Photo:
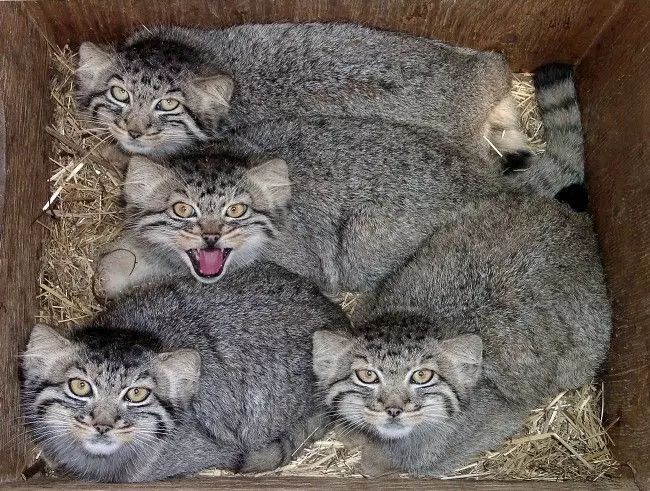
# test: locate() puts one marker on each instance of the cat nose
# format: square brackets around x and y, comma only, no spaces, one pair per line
[393,412]
[211,239]
[101,429]
[135,134]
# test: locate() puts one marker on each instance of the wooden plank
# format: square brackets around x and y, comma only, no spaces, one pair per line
[331,483]
[23,98]
[529,32]
[615,97]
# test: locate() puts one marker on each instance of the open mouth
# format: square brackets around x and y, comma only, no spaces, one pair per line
[208,262]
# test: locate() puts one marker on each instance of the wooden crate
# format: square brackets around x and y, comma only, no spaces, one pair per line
[607,40]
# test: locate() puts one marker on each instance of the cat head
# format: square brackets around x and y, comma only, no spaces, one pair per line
[100,399]
[390,379]
[206,214]
[152,95]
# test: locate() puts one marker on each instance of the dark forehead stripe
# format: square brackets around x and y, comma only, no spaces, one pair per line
[169,57]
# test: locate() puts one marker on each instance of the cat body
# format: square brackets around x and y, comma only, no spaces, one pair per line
[227,367]
[343,208]
[506,306]
[166,88]
[353,201]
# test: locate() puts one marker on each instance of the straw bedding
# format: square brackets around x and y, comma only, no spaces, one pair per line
[563,440]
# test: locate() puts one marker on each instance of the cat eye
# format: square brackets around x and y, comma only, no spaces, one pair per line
[367,376]
[421,376]
[183,210]
[80,387]
[236,211]
[137,394]
[120,94]
[167,104]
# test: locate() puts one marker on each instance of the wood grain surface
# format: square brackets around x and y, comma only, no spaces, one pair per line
[529,32]
[330,483]
[610,40]
[24,98]
[615,98]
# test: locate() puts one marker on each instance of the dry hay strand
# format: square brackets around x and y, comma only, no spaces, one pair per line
[563,440]
[84,209]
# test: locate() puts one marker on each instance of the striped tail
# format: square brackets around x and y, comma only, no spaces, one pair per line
[559,172]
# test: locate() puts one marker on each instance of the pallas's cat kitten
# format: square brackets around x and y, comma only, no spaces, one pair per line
[169,87]
[494,314]
[343,208]
[346,209]
[180,377]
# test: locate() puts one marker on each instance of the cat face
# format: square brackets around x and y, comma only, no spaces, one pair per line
[102,400]
[151,96]
[390,383]
[206,216]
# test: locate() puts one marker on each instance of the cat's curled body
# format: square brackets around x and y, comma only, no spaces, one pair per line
[224,78]
[506,306]
[342,209]
[354,200]
[228,366]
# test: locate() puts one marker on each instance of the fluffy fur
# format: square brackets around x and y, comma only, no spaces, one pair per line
[254,73]
[346,209]
[228,366]
[516,287]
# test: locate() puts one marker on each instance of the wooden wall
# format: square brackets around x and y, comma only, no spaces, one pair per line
[24,169]
[608,38]
[615,99]
[530,32]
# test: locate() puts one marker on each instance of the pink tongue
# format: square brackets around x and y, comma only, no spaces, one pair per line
[210,261]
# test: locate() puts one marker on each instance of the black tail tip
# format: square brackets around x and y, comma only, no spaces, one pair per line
[516,161]
[551,74]
[574,195]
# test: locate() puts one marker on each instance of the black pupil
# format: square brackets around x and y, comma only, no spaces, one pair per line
[82,385]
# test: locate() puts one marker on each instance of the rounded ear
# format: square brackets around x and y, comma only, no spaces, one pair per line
[44,348]
[144,177]
[328,350]
[466,348]
[271,179]
[95,66]
[214,92]
[462,359]
[178,373]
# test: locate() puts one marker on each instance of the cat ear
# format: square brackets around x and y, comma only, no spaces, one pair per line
[44,349]
[271,180]
[143,180]
[95,66]
[465,355]
[328,348]
[178,373]
[214,92]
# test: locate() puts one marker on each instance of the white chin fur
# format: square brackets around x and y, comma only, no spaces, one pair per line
[393,432]
[101,447]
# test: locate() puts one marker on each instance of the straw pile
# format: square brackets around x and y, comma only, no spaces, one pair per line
[563,440]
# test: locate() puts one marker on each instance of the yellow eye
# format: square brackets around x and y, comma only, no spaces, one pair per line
[167,104]
[183,210]
[421,376]
[120,94]
[137,394]
[236,211]
[80,387]
[367,376]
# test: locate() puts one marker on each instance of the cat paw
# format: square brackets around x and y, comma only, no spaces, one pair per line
[264,459]
[113,272]
[115,155]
